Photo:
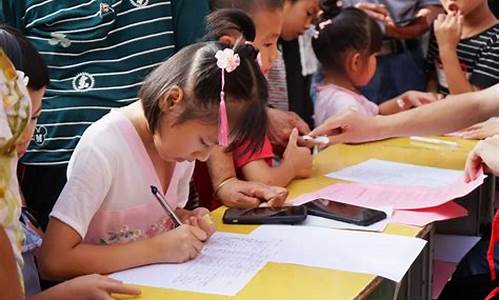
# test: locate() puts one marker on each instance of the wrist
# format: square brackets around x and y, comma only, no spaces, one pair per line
[383,128]
[288,168]
[223,183]
[446,50]
[158,250]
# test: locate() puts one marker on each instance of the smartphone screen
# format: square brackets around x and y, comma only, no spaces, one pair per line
[270,211]
[345,212]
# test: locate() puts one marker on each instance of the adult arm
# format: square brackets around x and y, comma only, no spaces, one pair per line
[450,114]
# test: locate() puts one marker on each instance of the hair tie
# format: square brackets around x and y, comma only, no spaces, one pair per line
[227,61]
[322,26]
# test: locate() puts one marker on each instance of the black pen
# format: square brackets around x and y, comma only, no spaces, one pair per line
[166,207]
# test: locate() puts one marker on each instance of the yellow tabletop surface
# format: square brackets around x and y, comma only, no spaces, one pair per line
[286,281]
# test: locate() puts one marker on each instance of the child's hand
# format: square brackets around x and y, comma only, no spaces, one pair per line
[281,124]
[299,158]
[448,30]
[180,244]
[90,287]
[485,152]
[200,217]
[412,99]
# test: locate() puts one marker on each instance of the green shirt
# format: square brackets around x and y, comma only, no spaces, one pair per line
[98,54]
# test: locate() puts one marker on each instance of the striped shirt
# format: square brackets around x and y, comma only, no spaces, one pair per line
[98,53]
[478,56]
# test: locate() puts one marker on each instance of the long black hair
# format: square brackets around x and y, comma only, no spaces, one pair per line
[195,70]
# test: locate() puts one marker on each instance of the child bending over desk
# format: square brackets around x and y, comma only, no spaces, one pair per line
[106,218]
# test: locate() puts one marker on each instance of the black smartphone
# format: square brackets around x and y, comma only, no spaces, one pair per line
[265,215]
[344,212]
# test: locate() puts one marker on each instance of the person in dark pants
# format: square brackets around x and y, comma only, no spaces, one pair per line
[400,63]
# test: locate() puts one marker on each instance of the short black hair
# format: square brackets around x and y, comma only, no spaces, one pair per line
[195,70]
[351,29]
[226,20]
[24,56]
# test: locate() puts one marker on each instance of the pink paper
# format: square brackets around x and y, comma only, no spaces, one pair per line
[422,217]
[441,273]
[397,197]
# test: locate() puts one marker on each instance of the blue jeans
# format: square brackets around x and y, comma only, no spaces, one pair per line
[396,74]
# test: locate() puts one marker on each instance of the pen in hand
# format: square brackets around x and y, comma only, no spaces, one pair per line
[163,202]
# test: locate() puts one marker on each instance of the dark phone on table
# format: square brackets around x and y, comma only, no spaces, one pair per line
[344,212]
[265,215]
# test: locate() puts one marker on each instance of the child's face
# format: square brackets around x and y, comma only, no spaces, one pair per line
[189,141]
[268,27]
[36,107]
[298,16]
[464,6]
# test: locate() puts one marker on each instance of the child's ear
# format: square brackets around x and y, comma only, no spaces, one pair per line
[227,39]
[356,62]
[351,64]
[174,96]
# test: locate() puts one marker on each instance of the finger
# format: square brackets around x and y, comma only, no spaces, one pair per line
[473,135]
[303,143]
[207,225]
[110,280]
[460,21]
[102,296]
[292,141]
[198,233]
[268,193]
[193,221]
[301,125]
[193,252]
[277,201]
[120,288]
[245,199]
[331,125]
[197,245]
[338,139]
[201,211]
[472,166]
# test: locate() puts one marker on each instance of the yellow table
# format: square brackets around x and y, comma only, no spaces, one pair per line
[284,281]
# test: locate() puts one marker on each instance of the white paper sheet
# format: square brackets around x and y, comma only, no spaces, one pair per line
[381,254]
[452,248]
[329,223]
[394,173]
[227,263]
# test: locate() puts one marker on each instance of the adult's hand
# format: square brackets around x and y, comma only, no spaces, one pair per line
[281,124]
[239,193]
[480,131]
[377,11]
[485,153]
[413,30]
[349,127]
